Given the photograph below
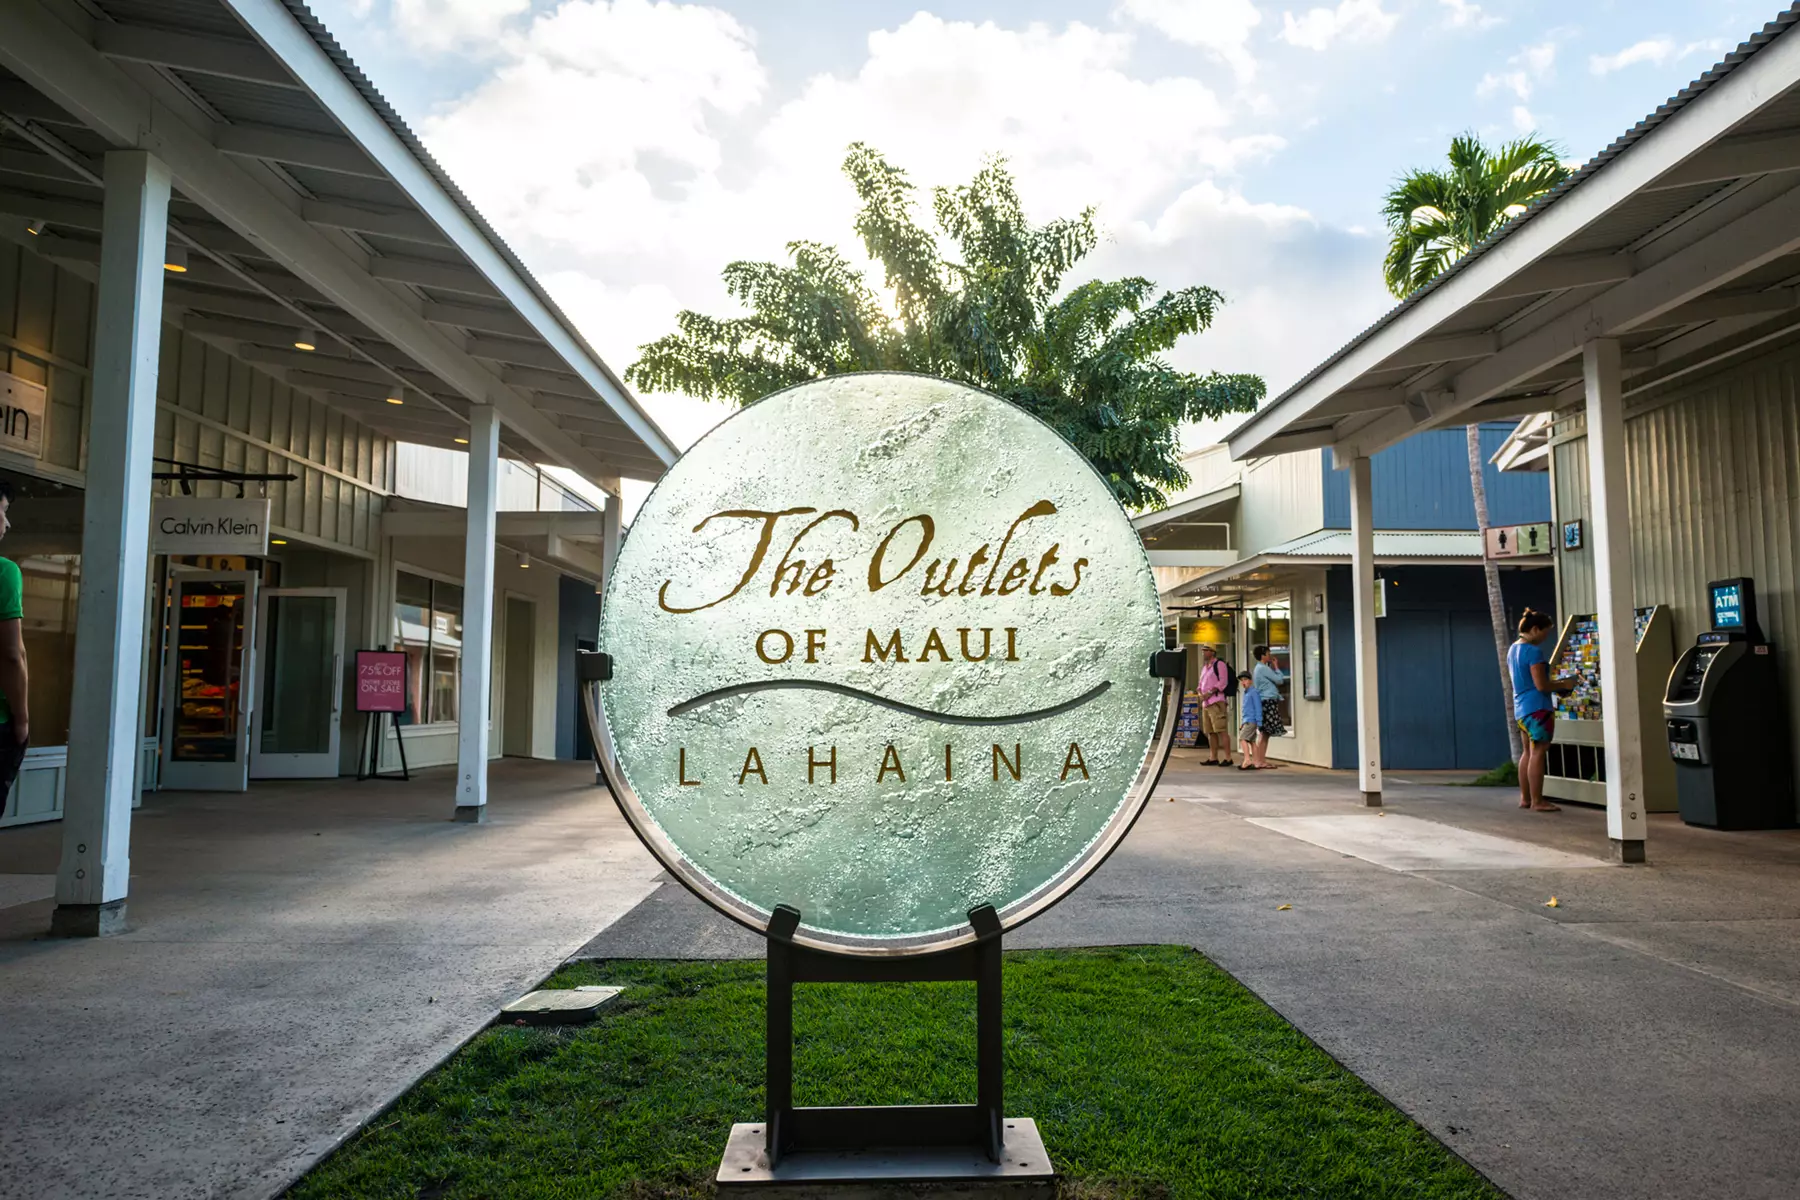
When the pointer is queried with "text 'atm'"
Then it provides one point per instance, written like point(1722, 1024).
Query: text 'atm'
point(1726, 721)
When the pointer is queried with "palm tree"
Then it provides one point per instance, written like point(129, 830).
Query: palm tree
point(1436, 217)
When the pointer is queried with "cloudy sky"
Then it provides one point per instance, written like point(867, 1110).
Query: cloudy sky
point(629, 149)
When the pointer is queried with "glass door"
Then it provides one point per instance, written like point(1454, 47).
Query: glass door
point(299, 683)
point(206, 733)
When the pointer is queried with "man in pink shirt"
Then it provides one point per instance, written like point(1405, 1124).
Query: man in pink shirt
point(1215, 707)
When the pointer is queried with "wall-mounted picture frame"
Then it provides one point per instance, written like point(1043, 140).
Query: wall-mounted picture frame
point(1312, 662)
point(1571, 535)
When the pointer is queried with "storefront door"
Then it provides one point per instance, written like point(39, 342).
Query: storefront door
point(206, 727)
point(299, 683)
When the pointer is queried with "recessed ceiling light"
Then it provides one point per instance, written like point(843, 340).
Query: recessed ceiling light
point(461, 441)
point(277, 541)
point(175, 258)
point(395, 400)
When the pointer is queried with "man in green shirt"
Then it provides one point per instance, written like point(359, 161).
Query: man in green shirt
point(15, 718)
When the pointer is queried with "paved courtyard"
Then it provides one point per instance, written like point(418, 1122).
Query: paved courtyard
point(1641, 1039)
point(298, 957)
point(302, 954)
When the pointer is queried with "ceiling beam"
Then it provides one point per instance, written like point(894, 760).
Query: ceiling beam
point(267, 333)
point(560, 382)
point(325, 381)
point(402, 224)
point(1721, 305)
point(1733, 157)
point(24, 102)
point(450, 277)
point(1433, 350)
point(318, 364)
point(273, 144)
point(486, 320)
point(233, 58)
point(529, 354)
point(35, 165)
point(1360, 400)
point(183, 295)
point(1565, 271)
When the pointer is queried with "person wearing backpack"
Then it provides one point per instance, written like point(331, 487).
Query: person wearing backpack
point(1216, 686)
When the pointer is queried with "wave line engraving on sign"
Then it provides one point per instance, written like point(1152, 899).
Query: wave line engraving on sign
point(772, 685)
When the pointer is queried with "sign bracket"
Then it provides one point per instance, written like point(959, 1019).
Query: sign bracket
point(980, 1126)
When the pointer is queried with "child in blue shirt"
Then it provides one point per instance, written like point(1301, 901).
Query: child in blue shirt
point(1250, 703)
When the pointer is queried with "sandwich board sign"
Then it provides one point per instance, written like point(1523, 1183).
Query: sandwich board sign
point(879, 652)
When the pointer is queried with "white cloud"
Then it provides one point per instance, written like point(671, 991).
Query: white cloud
point(1527, 68)
point(1523, 121)
point(438, 25)
point(629, 150)
point(1220, 26)
point(1351, 20)
point(1462, 14)
point(1657, 50)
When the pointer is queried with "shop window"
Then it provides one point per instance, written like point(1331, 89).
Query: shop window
point(428, 627)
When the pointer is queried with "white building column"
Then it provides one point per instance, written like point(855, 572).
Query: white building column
point(104, 726)
point(610, 518)
point(478, 614)
point(1362, 590)
point(1611, 518)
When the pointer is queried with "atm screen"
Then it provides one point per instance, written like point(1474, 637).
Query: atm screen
point(1728, 606)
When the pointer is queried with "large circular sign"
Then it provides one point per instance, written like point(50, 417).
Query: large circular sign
point(881, 651)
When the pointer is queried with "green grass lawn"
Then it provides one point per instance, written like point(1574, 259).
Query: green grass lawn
point(1150, 1072)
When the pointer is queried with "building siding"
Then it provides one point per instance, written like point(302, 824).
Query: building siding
point(1423, 483)
point(217, 411)
point(1440, 697)
point(1713, 481)
point(1280, 500)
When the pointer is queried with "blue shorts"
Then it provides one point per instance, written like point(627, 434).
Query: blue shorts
point(1539, 726)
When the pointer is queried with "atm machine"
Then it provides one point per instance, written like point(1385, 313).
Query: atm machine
point(1726, 721)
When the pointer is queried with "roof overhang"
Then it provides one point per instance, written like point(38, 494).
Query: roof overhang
point(1680, 240)
point(303, 202)
point(572, 542)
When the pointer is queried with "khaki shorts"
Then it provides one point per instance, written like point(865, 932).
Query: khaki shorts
point(1216, 718)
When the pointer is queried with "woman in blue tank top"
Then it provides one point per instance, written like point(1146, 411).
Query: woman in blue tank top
point(1533, 709)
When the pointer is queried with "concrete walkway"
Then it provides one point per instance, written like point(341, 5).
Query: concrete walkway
point(1641, 1039)
point(298, 957)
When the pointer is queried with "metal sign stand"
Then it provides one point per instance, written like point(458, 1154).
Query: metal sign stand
point(978, 1126)
point(372, 737)
point(896, 1149)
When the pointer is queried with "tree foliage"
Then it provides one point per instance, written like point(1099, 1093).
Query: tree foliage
point(1435, 217)
point(993, 313)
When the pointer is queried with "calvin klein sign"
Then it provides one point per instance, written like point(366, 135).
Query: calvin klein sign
point(188, 525)
point(22, 407)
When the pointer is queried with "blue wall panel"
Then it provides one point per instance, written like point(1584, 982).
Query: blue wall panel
point(578, 625)
point(1440, 690)
point(1423, 483)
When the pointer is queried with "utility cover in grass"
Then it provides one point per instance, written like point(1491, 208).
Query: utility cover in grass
point(1150, 1072)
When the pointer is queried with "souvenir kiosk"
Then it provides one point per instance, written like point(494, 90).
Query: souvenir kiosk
point(1575, 768)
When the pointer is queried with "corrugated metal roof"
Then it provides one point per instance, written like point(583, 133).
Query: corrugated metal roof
point(1625, 141)
point(1335, 543)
